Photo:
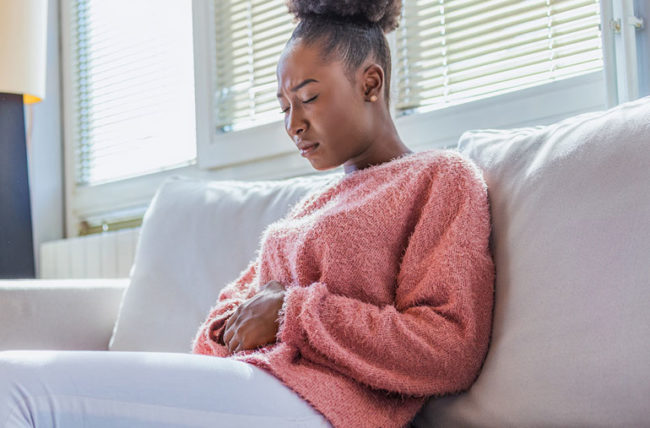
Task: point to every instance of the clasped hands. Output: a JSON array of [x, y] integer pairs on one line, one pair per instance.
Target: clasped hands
[[254, 322]]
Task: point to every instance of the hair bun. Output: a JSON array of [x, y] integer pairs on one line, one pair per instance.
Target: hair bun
[[384, 13]]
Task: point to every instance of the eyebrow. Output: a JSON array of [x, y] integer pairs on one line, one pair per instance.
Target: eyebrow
[[300, 85]]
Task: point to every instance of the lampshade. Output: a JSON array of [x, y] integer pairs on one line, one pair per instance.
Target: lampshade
[[23, 42]]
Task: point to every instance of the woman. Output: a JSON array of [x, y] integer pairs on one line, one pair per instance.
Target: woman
[[370, 296]]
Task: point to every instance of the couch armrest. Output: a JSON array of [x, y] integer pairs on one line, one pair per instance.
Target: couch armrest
[[59, 314]]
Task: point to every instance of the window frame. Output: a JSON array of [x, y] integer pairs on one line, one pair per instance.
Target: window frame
[[219, 150], [266, 152], [264, 141]]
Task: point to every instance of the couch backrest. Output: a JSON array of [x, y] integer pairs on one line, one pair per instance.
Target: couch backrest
[[196, 237], [570, 205]]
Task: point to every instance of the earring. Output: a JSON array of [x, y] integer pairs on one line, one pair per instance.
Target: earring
[[373, 98]]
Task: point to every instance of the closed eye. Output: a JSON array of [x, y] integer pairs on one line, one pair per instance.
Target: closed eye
[[304, 102]]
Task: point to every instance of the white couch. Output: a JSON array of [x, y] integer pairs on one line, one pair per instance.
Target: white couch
[[570, 207]]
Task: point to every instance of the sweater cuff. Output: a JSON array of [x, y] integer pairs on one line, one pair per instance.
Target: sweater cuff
[[293, 311], [205, 341]]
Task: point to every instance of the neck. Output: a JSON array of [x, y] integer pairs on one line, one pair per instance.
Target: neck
[[384, 146]]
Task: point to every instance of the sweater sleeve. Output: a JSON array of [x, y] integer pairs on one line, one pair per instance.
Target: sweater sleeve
[[433, 339], [230, 297]]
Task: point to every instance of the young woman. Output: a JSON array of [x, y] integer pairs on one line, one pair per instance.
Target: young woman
[[370, 296]]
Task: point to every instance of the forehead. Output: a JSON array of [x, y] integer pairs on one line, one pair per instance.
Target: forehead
[[300, 61]]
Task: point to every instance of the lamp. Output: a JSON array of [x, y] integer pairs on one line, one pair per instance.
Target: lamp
[[23, 41]]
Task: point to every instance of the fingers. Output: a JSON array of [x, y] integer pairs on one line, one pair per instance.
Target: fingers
[[230, 339], [227, 336], [234, 345], [226, 331], [229, 329]]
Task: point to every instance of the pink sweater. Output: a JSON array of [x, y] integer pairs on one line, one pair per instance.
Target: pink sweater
[[389, 297]]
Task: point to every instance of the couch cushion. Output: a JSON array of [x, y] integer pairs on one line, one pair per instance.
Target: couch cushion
[[570, 208], [196, 237]]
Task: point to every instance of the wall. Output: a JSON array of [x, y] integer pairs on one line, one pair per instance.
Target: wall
[[46, 161]]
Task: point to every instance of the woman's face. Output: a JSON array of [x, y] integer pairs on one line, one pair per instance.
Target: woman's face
[[322, 106]]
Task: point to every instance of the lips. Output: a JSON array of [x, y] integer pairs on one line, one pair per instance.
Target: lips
[[307, 149], [305, 145]]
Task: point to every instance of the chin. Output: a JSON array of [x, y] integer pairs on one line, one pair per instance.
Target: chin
[[317, 166], [321, 164]]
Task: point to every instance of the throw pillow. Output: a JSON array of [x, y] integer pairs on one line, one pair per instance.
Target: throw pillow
[[196, 237]]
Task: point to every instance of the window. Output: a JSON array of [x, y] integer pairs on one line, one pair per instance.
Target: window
[[133, 88], [445, 52], [250, 35], [449, 52], [156, 88]]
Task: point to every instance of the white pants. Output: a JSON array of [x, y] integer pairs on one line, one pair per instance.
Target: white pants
[[70, 389]]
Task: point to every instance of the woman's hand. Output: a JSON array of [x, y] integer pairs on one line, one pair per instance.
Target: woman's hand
[[254, 323]]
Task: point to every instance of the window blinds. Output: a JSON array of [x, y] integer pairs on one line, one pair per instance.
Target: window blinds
[[133, 90], [250, 35], [447, 52], [452, 51]]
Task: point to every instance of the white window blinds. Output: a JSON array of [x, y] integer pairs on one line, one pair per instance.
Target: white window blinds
[[250, 35], [447, 52], [453, 51], [133, 75]]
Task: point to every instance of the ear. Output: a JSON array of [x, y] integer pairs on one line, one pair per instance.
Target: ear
[[373, 82]]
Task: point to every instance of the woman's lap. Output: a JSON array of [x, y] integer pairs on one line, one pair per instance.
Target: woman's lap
[[143, 389]]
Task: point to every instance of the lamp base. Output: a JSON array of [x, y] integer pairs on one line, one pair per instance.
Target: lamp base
[[16, 238]]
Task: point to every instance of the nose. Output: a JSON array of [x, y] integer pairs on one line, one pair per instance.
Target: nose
[[295, 123]]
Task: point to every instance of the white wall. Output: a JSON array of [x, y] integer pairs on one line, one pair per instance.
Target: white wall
[[46, 160]]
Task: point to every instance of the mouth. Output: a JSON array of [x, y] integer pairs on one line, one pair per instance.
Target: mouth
[[307, 151]]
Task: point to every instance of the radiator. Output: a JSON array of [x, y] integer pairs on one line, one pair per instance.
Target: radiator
[[105, 255]]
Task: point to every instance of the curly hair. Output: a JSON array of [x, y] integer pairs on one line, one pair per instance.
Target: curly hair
[[351, 30]]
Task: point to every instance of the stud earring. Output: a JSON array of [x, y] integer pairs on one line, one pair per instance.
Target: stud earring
[[373, 98]]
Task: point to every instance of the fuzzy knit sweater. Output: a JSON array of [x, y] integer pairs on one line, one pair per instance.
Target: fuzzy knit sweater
[[390, 285]]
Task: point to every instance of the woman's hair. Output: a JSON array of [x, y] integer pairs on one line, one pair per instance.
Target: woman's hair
[[351, 30]]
